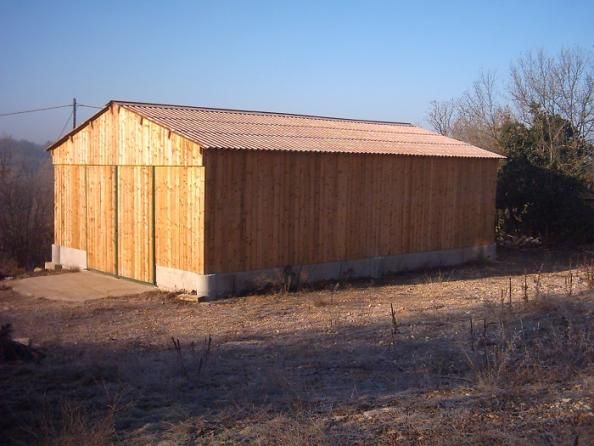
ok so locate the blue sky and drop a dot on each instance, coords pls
(381, 60)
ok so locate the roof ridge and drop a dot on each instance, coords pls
(335, 138)
(218, 121)
(261, 112)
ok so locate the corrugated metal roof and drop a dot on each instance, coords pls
(239, 129)
(254, 130)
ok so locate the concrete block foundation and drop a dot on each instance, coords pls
(69, 258)
(176, 279)
(226, 284)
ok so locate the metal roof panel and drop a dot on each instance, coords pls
(215, 128)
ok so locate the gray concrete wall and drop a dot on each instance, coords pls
(225, 284)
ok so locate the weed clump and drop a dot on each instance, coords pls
(545, 343)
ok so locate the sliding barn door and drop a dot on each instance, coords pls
(101, 219)
(135, 195)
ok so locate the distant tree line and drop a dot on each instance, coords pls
(26, 205)
(545, 128)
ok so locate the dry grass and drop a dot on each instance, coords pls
(546, 341)
(8, 267)
(389, 363)
(72, 425)
(275, 430)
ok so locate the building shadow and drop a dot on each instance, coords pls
(345, 364)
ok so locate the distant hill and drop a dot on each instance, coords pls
(22, 153)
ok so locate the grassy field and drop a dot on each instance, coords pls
(435, 357)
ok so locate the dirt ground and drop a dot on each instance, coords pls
(390, 362)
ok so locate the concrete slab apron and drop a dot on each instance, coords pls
(78, 287)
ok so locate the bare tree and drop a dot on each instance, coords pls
(481, 113)
(475, 117)
(559, 86)
(25, 212)
(442, 116)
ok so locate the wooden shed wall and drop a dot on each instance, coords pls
(135, 223)
(179, 209)
(121, 137)
(101, 218)
(70, 206)
(117, 177)
(110, 211)
(268, 209)
(241, 210)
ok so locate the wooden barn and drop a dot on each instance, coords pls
(221, 201)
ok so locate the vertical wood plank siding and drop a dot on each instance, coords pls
(130, 192)
(135, 223)
(121, 137)
(70, 227)
(267, 209)
(101, 218)
(118, 137)
(179, 207)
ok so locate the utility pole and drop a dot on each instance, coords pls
(73, 113)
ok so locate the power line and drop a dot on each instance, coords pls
(72, 115)
(65, 125)
(34, 110)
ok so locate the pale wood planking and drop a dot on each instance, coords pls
(101, 218)
(70, 206)
(256, 209)
(135, 223)
(58, 214)
(179, 227)
(119, 136)
(278, 208)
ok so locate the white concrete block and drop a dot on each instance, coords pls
(72, 258)
(176, 279)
